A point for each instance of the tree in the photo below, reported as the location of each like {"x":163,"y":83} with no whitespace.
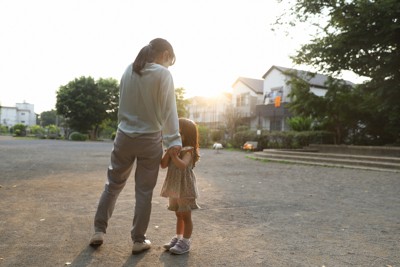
{"x":362,"y":37}
{"x":85,"y":104}
{"x":233,"y":120}
{"x":181,"y":102}
{"x":48,"y":117}
{"x":336,"y":112}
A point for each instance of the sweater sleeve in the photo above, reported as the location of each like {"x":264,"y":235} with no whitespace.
{"x":170,"y":127}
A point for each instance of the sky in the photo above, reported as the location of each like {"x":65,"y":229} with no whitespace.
{"x":47,"y":43}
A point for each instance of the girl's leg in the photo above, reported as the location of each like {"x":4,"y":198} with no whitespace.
{"x":179,"y":224}
{"x":183,"y":245}
{"x":186,"y":218}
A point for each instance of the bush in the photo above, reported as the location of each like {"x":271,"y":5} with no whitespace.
{"x":3,"y":129}
{"x":53,"y":132}
{"x":76,"y":136}
{"x":288,"y":140}
{"x":217,"y":135}
{"x":19,"y":129}
{"x":242,"y":137}
{"x":37,"y":131}
{"x":204,"y":140}
{"x":113,"y":135}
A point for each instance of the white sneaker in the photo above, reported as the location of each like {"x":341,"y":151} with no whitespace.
{"x":180,"y":247}
{"x":97,"y":239}
{"x":141,"y":246}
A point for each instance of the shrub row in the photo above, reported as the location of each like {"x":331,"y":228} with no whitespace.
{"x":288,"y":140}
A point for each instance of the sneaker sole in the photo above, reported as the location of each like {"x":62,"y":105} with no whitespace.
{"x":180,"y":252}
{"x":139,"y":251}
{"x":96,"y":243}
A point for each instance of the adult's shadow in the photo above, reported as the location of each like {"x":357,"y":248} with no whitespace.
{"x":85,"y":257}
{"x":134,"y":259}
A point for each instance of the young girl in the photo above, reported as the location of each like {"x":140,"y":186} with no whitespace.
{"x":180,"y":185}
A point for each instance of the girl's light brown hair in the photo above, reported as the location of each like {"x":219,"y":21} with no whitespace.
{"x":150,"y":52}
{"x":190,"y":133}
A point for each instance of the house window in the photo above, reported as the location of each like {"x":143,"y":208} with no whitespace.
{"x":242,"y":100}
{"x":22,"y":113}
{"x":22,"y":121}
{"x":275,"y":125}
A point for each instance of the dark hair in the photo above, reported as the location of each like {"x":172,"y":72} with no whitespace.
{"x":149,"y":53}
{"x":188,"y":129}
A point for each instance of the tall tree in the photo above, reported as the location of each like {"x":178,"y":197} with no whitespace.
{"x":336,"y":112}
{"x":362,"y":37}
{"x":85,"y":104}
{"x":48,"y":117}
{"x":181,"y":102}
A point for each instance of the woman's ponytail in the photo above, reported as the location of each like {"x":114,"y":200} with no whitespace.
{"x":149,"y":52}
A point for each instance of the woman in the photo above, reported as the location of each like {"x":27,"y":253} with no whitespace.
{"x":147,"y":115}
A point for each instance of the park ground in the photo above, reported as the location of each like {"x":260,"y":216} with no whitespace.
{"x":253,"y":213}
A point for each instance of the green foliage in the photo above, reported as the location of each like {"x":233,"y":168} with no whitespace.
{"x":53,"y":132}
{"x":337,"y":111}
{"x":363,"y":37}
{"x":85,"y":104}
{"x":107,"y":128}
{"x":181,"y":102}
{"x":38,"y":131}
{"x":113,"y":135}
{"x":243,"y":136}
{"x":204,"y":139}
{"x":76,"y":136}
{"x":19,"y":129}
{"x":287,"y":140}
{"x":300,"y":124}
{"x":3,"y":129}
{"x":48,"y":117}
{"x":217,"y":135}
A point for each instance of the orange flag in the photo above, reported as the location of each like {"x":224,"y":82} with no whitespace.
{"x":277,"y":101}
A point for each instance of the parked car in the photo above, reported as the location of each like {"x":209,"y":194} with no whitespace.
{"x":250,"y":146}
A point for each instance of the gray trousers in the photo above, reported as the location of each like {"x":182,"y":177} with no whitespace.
{"x":146,"y":150}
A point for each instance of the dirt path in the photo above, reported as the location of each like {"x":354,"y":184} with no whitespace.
{"x":253,"y":213}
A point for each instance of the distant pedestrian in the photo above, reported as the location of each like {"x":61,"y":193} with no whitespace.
{"x":180,"y":185}
{"x":147,"y":117}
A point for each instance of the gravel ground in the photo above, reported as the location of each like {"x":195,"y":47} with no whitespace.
{"x":253,"y":213}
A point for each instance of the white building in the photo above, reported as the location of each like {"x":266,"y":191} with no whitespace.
{"x":209,"y":111}
{"x":247,"y":93}
{"x":22,"y":113}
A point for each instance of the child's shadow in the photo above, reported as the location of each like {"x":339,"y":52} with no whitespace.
{"x":171,"y":260}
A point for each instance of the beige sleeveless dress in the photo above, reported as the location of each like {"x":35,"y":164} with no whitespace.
{"x":180,"y":186}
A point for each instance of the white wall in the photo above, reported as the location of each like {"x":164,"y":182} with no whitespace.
{"x":21,"y":113}
{"x":8,"y":116}
{"x":318,"y":91}
{"x":276,"y":79}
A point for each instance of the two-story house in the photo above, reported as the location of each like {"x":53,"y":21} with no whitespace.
{"x":247,"y":93}
{"x":273,"y":112}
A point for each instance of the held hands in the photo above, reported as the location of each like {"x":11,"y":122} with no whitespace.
{"x":174,"y":151}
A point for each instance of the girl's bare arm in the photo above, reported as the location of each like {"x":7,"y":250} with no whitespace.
{"x":181,"y":163}
{"x":165,"y":160}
